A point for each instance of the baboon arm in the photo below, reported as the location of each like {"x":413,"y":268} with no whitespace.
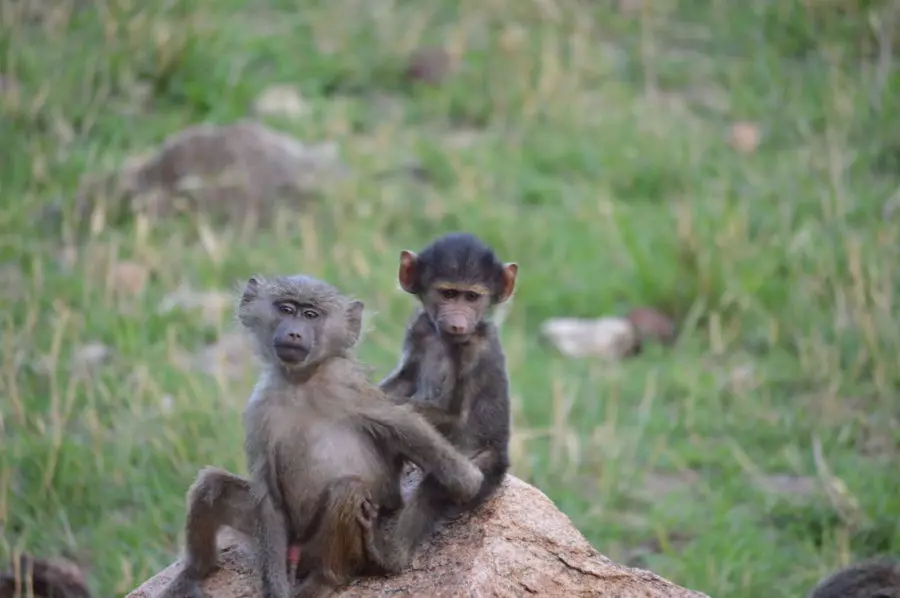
{"x":411,"y":436}
{"x":491,"y":461}
{"x":436,"y":416}
{"x":401,"y":383}
{"x":409,"y":433}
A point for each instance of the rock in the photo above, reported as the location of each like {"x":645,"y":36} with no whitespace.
{"x":517,"y":544}
{"x":15,"y":281}
{"x":610,"y":338}
{"x":236,"y":173}
{"x":789,"y":485}
{"x":10,"y":92}
{"x":652,"y":325}
{"x":54,"y":578}
{"x":211,"y":304}
{"x":741,"y":378}
{"x":744,"y":137}
{"x":87,"y":358}
{"x":630,"y":7}
{"x":229,"y":357}
{"x":430,"y":65}
{"x":128,"y":277}
{"x":280,"y":100}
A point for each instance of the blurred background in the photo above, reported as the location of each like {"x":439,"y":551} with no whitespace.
{"x":731,"y":170}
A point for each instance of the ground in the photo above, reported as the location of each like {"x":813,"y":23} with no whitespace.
{"x":592,"y":142}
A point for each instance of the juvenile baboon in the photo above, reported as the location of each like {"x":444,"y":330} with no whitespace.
{"x":324,"y":448}
{"x":878,"y":578}
{"x":454,"y":372}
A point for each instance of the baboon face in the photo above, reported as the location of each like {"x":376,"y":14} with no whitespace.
{"x":457,"y":278}
{"x":297,"y":320}
{"x":456,"y":309}
{"x":297,"y":326}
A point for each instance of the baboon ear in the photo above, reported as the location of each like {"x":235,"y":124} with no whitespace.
{"x":251,"y":290}
{"x":510,"y":271}
{"x":408,"y":271}
{"x":354,"y":320}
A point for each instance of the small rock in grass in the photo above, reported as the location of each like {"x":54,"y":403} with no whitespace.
{"x":212,"y":304}
{"x":745,"y":137}
{"x":609,"y":337}
{"x":429,"y":65}
{"x":652,"y":325}
{"x":129,"y":277}
{"x":89,"y":356}
{"x":281,"y":100}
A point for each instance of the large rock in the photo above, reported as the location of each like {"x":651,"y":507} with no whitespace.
{"x":517,"y":544}
{"x":233,"y":173}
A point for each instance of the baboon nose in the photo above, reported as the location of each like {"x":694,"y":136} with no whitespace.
{"x":295,"y":336}
{"x":456,"y":325}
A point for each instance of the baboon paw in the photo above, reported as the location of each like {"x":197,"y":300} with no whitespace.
{"x":368,"y":512}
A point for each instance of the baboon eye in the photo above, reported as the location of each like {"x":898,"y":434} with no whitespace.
{"x":472,"y":296}
{"x":310,"y":314}
{"x":449,"y":293}
{"x":286,"y":307}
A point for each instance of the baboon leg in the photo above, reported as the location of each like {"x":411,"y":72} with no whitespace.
{"x":272,"y":549}
{"x":336,"y":551}
{"x":216,"y":498}
{"x":393,"y":540}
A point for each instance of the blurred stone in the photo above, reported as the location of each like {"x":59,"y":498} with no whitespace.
{"x":230,"y":357}
{"x":430,"y":65}
{"x":517,"y":544}
{"x":630,"y":7}
{"x":237,"y":173}
{"x":651,"y":324}
{"x":745,"y":137}
{"x":610,"y":338}
{"x":212,"y":304}
{"x":14,"y":281}
{"x":89,"y":356}
{"x":281,"y":100}
{"x":128,"y":277}
{"x":789,"y":485}
{"x":10,"y":92}
{"x":742,"y":378}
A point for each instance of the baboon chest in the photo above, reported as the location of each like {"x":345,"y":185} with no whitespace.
{"x":446,"y":376}
{"x":437,"y":375}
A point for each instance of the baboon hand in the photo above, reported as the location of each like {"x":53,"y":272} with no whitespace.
{"x":367,"y":514}
{"x":468,"y":482}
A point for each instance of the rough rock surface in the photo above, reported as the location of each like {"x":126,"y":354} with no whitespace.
{"x":518,"y":544}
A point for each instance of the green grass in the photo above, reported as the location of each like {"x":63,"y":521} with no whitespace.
{"x":602,"y":167}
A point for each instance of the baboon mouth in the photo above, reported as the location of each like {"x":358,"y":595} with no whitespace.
{"x":291,"y":353}
{"x":458,"y":337}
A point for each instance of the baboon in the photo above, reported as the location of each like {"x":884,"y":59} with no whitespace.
{"x":879,"y":578}
{"x":324,"y":449}
{"x":47,"y":578}
{"x":453,"y":371}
